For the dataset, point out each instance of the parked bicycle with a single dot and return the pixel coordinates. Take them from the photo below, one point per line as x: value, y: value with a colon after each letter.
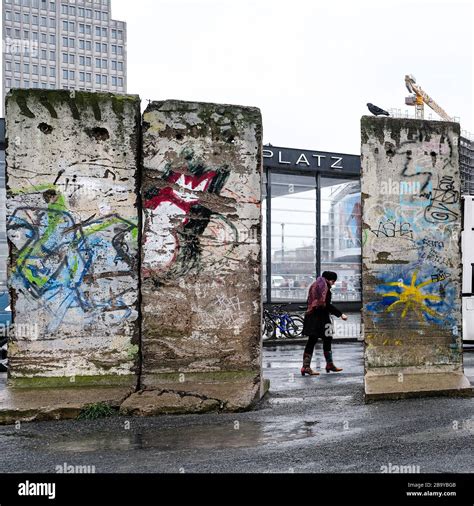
x: 279, y: 320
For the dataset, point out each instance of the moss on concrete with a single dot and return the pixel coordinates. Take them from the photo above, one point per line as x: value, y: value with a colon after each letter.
x: 73, y: 381
x: 211, y: 376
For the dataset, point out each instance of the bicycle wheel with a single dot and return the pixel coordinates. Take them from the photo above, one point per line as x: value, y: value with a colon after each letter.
x: 268, y: 329
x: 294, y: 326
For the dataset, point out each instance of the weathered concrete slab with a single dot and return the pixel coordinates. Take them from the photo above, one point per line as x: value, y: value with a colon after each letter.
x: 411, y: 257
x: 72, y: 159
x: 38, y: 404
x: 201, y: 250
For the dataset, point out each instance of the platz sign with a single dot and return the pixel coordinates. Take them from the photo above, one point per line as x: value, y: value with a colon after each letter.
x: 320, y: 161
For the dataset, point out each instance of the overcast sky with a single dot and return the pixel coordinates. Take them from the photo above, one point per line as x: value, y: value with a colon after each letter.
x: 310, y: 66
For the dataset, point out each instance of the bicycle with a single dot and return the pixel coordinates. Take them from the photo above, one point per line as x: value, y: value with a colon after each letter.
x: 289, y: 325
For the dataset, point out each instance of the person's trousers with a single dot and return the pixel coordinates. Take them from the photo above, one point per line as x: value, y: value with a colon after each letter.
x: 312, y: 340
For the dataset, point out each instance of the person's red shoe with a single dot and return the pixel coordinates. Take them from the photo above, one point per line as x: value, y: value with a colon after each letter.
x: 308, y: 371
x: 332, y: 368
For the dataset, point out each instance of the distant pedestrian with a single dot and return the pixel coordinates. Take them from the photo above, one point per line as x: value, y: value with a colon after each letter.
x: 317, y: 322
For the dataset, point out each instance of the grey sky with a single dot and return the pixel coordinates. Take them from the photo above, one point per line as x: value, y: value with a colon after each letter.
x: 310, y: 66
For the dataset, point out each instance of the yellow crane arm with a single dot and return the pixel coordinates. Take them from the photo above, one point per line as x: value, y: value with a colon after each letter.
x: 422, y: 96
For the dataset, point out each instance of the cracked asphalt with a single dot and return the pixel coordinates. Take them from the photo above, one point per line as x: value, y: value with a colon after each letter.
x: 311, y: 424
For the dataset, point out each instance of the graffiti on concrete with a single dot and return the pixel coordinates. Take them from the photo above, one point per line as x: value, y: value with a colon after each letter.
x: 181, y: 222
x: 56, y: 254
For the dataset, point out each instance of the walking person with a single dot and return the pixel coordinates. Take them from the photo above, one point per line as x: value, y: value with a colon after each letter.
x: 317, y: 322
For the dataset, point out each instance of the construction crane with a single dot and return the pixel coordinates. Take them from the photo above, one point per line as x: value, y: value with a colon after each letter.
x: 419, y: 98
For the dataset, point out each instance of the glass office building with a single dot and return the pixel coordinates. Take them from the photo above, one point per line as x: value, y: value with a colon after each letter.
x: 312, y: 223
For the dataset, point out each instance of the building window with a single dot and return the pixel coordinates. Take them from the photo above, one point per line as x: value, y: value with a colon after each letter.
x: 82, y: 28
x: 114, y: 64
x: 65, y: 26
x: 72, y: 74
x: 98, y: 62
x: 120, y: 66
x: 44, y: 54
x: 52, y: 55
x: 64, y: 9
x: 35, y: 35
x: 120, y: 34
x: 114, y: 33
x: 81, y: 12
x: 89, y: 13
x: 97, y: 15
x: 52, y: 22
x: 88, y: 45
x: 65, y: 58
x: 88, y: 61
x: 89, y: 29
x: 26, y: 68
x: 104, y: 32
x: 35, y: 70
x: 72, y: 10
x: 44, y: 71
x: 114, y: 80
x: 17, y: 17
x: 26, y: 84
x: 97, y: 47
x: 114, y: 49
x: 44, y: 21
x: 26, y: 18
x: 104, y: 80
x: 72, y: 42
x: 120, y: 81
x: 43, y: 38
x: 65, y: 74
x: 97, y: 31
x: 72, y: 26
x: 65, y: 42
x: 105, y: 16
x: 52, y: 71
x: 82, y: 76
x: 52, y: 39
x: 89, y: 78
x: 82, y: 60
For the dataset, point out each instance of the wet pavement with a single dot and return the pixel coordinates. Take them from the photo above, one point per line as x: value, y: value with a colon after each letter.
x: 310, y: 424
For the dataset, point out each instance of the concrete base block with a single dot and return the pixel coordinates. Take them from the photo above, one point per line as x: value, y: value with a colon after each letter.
x: 390, y: 386
x: 28, y: 405
x: 197, y: 394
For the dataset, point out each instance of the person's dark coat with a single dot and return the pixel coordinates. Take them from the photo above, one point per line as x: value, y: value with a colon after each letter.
x: 318, y: 321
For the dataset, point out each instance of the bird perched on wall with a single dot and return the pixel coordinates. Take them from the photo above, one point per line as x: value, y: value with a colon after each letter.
x: 376, y: 110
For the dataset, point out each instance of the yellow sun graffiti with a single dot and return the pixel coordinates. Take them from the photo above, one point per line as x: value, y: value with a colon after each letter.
x: 412, y: 297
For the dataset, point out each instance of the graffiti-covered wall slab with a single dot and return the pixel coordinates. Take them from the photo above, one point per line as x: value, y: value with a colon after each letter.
x: 72, y: 223
x: 201, y: 249
x: 411, y: 256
